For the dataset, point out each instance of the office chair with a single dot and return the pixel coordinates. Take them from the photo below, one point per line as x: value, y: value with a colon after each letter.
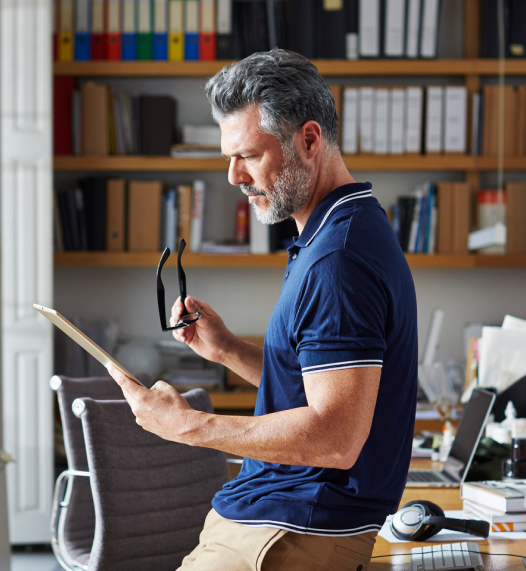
x: 129, y: 500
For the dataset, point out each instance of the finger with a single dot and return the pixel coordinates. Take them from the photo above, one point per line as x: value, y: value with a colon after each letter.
x: 127, y: 385
x: 177, y: 311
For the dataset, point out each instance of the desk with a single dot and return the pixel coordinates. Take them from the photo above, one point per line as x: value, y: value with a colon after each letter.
x: 447, y: 499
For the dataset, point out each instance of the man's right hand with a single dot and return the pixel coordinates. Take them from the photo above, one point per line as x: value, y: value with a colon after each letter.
x: 208, y: 337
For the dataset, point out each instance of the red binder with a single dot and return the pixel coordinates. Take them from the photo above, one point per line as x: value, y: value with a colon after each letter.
x: 113, y: 48
x: 98, y: 26
x: 62, y: 115
x: 207, y: 30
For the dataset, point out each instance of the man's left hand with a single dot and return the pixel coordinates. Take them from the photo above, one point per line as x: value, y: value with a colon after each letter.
x: 161, y: 409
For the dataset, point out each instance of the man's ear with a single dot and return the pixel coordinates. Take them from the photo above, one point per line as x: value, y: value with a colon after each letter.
x: 311, y: 138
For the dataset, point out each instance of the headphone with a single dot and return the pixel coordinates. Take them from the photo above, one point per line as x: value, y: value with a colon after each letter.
x: 420, y: 520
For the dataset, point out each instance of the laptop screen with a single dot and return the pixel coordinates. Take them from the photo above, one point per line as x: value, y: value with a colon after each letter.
x: 469, y: 433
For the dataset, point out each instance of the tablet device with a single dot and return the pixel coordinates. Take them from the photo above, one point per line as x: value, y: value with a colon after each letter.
x: 85, y: 342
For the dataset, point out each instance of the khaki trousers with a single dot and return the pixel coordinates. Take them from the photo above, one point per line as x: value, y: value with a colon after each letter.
x: 228, y: 546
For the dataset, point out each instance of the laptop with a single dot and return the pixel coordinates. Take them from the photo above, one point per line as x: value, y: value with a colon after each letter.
x: 460, y: 457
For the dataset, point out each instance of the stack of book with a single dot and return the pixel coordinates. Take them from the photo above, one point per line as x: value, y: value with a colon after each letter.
x: 137, y: 216
x: 95, y: 120
x: 193, y: 30
x: 499, y: 503
x: 391, y: 120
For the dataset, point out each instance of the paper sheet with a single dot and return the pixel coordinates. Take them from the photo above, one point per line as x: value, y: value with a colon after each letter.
x: 511, y: 322
x: 446, y: 536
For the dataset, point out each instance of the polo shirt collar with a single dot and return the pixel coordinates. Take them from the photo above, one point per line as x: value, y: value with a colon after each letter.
x: 341, y: 195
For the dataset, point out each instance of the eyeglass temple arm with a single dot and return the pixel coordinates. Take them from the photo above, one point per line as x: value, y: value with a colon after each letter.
x: 182, y: 276
x: 160, y: 290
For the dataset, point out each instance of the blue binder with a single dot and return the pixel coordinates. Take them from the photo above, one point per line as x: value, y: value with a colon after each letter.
x: 129, y: 47
x: 82, y: 46
x: 160, y: 46
x: 191, y: 47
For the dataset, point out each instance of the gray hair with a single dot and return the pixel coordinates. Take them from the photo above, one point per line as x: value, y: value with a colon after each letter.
x: 286, y: 87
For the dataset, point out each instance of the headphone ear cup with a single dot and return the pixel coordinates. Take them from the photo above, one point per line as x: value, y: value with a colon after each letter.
x: 429, y: 530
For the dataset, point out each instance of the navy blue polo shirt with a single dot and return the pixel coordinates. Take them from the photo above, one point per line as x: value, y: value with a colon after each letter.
x: 347, y: 301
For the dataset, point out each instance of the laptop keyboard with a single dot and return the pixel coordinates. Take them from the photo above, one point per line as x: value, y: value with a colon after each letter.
x: 448, y: 557
x: 426, y: 476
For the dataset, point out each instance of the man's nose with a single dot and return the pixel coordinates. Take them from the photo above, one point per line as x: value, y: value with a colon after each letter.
x: 237, y: 174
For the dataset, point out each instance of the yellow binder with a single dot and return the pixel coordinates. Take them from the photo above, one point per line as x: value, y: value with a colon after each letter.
x: 65, y: 35
x: 176, y: 31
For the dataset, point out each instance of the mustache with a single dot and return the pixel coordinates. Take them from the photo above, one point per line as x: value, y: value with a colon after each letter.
x: 251, y: 190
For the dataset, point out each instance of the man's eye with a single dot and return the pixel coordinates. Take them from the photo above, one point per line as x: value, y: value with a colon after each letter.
x: 250, y: 157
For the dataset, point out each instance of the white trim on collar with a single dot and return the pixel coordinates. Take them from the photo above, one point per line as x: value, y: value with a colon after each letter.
x: 349, y: 197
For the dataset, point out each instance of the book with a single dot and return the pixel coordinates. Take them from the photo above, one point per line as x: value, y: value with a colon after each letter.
x: 455, y: 119
x: 63, y: 88
x: 94, y: 197
x: 331, y: 30
x: 160, y: 30
x: 491, y: 210
x: 381, y: 120
x: 184, y: 212
x: 517, y: 29
x: 169, y: 220
x: 429, y: 28
x: 506, y: 497
x: 303, y: 33
x: 476, y: 126
x: 64, y: 220
x: 499, y: 521
x: 413, y: 117
x: 97, y: 29
x: 65, y: 34
x: 461, y: 217
x: 198, y: 205
x: 490, y: 237
x: 434, y: 120
x: 491, y: 120
x: 369, y: 34
x: 95, y: 119
x: 191, y: 36
x: 58, y: 236
x: 366, y: 104
x: 129, y: 30
x: 157, y: 124
x: 207, y: 30
x: 176, y: 30
x: 521, y: 120
x: 115, y: 215
x: 350, y: 121
x: 396, y: 121
x: 412, y: 40
x: 144, y: 30
x: 113, y: 37
x: 515, y: 217
x: 444, y: 217
x: 82, y: 31
x: 394, y: 30
x: 144, y: 215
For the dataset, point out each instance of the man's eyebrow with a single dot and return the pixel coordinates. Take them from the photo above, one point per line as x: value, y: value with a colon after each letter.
x: 246, y: 152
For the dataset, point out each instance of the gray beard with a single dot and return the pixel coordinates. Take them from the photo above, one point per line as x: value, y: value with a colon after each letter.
x: 289, y: 194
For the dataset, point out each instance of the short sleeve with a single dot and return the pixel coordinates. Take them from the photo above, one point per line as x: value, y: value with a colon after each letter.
x: 341, y: 315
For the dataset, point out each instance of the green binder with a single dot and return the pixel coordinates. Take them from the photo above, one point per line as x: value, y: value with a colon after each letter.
x: 144, y: 28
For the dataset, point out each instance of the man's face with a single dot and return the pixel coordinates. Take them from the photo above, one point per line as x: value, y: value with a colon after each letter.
x: 276, y: 181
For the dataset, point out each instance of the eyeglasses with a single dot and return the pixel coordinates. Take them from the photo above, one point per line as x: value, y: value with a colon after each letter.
x: 186, y: 318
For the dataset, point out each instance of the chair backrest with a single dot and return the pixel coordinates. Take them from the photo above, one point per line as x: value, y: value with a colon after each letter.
x: 79, y: 525
x: 151, y: 496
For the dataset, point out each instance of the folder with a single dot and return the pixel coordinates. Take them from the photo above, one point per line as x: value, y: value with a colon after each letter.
x: 115, y: 215
x: 413, y: 117
x: 351, y: 29
x: 82, y: 31
x: 394, y: 33
x: 366, y: 119
x: 397, y: 121
x: 434, y: 120
x: 381, y: 120
x: 56, y: 27
x: 207, y: 31
x: 429, y: 29
x: 414, y: 8
x: 160, y: 30
x: 191, y: 36
x: 145, y: 36
x: 97, y: 29
x: 144, y: 215
x: 113, y: 38
x: 225, y: 45
x: 369, y: 18
x: 65, y: 35
x: 515, y: 217
x: 176, y: 31
x: 461, y: 211
x: 445, y: 218
x: 63, y: 87
x: 95, y: 120
x: 302, y: 13
x: 331, y: 30
x: 350, y: 121
x: 129, y: 30
x: 455, y: 115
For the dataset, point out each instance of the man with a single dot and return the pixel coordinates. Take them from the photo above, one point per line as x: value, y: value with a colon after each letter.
x: 327, y: 452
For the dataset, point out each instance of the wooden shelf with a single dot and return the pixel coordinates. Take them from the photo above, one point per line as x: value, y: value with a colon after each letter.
x: 353, y: 163
x: 277, y: 260
x: 362, y: 67
x: 241, y: 400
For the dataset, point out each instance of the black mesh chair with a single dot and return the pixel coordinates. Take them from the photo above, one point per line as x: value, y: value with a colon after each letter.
x: 129, y: 499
